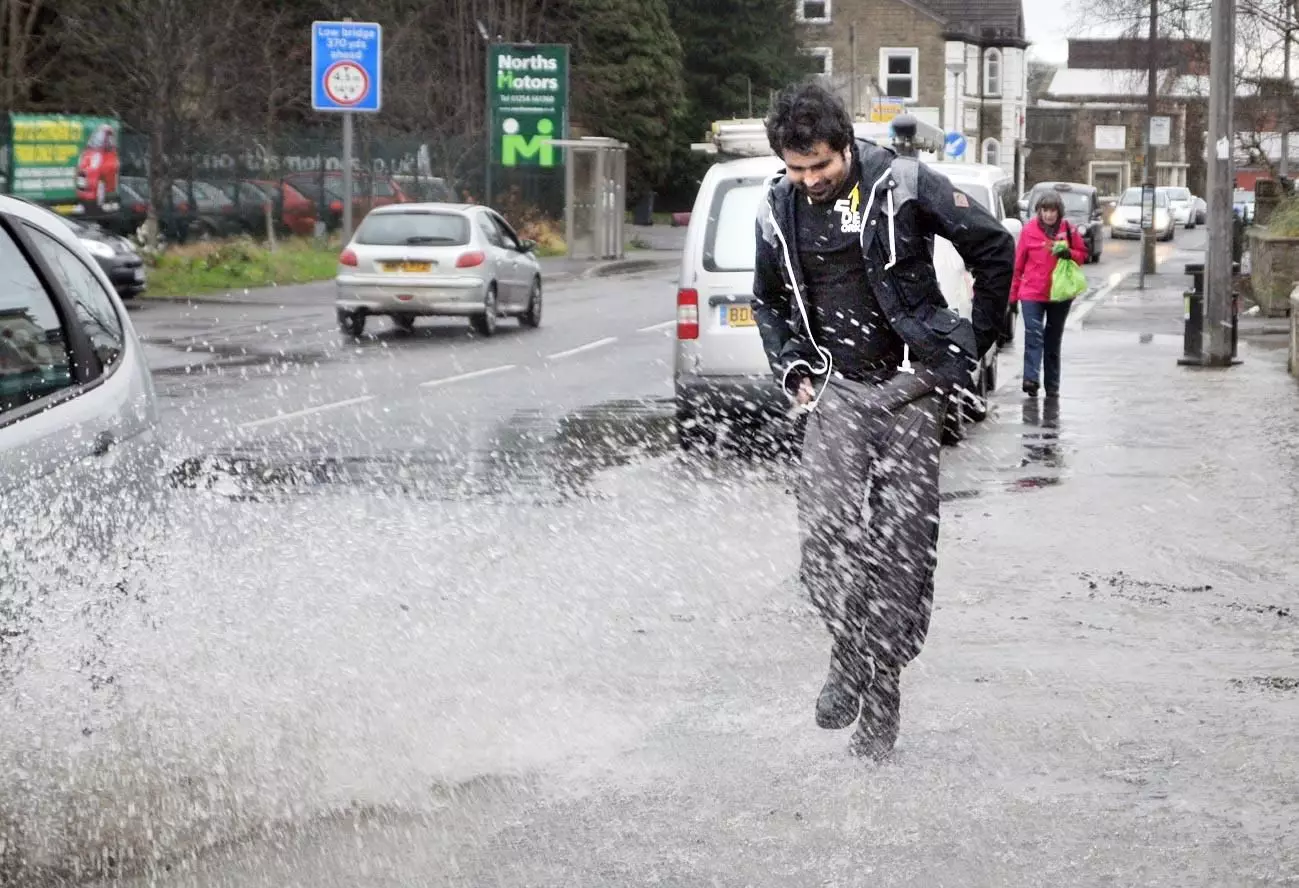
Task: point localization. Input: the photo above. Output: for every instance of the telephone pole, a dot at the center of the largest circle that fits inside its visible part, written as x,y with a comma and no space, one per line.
1152,94
1217,257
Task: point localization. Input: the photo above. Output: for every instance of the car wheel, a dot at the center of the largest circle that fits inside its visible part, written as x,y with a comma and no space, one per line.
404,323
351,323
532,317
485,324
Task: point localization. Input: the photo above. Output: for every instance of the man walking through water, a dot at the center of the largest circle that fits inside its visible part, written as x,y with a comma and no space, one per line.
857,332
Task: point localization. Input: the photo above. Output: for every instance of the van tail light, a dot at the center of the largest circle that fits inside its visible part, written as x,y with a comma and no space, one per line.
347,257
471,259
687,314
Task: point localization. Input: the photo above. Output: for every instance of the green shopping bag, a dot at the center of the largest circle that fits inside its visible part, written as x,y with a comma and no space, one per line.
1067,281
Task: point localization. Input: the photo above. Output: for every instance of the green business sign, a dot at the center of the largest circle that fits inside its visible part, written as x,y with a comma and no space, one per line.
65,160
527,92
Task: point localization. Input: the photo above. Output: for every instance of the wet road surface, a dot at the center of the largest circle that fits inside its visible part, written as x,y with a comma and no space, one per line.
442,611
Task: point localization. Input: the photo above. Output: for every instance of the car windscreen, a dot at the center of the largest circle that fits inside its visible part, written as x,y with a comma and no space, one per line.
730,242
1132,198
1075,202
1179,193
422,228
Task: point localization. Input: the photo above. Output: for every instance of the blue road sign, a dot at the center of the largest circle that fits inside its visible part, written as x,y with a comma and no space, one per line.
954,144
346,66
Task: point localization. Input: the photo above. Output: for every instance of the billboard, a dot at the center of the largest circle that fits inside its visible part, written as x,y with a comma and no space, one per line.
527,92
68,162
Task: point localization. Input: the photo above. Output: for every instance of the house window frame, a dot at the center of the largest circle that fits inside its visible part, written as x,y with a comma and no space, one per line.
993,60
800,12
913,54
995,144
827,54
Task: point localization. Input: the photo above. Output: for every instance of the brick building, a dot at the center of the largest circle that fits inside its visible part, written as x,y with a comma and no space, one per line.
958,64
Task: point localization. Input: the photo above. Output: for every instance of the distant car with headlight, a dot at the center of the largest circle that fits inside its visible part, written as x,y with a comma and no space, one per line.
1126,221
115,255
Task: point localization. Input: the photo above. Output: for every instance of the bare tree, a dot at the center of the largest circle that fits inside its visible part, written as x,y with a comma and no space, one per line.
162,85
27,47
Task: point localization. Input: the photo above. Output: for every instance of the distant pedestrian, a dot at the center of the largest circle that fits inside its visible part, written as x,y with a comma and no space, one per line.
1044,241
856,329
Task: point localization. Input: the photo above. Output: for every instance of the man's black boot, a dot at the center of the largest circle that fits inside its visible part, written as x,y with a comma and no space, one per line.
881,717
840,699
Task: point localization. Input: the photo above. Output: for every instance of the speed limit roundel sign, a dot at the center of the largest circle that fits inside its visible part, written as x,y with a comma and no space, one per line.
346,83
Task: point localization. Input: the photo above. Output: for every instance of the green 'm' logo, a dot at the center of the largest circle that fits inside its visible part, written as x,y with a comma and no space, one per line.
517,148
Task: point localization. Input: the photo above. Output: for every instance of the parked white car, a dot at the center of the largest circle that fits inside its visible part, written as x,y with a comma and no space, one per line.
721,371
1181,202
414,260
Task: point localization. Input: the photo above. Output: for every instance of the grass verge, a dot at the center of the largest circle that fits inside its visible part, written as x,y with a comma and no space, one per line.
221,266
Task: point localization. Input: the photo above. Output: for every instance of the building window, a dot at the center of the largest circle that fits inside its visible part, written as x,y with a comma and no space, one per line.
812,11
992,73
898,75
821,60
992,152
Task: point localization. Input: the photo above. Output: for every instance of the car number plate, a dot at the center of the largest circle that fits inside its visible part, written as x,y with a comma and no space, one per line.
737,316
139,274
407,267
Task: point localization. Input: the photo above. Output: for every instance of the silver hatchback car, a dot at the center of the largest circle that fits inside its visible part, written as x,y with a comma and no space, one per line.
79,454
428,259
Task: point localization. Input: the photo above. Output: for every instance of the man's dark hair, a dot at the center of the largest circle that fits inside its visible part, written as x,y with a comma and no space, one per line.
806,114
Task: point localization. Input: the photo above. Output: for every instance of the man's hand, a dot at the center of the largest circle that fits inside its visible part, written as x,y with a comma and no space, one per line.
806,392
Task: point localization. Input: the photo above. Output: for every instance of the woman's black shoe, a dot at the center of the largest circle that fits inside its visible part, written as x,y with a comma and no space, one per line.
1030,387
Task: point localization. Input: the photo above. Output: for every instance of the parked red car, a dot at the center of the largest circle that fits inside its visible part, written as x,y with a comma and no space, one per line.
98,168
297,212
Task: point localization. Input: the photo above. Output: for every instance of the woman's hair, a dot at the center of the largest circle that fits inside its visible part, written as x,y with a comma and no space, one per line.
806,114
1050,201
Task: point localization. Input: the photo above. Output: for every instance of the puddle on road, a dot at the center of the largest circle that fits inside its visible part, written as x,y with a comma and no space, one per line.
530,457
533,457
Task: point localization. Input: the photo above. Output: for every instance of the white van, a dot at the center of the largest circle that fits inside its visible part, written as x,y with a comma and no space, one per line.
721,371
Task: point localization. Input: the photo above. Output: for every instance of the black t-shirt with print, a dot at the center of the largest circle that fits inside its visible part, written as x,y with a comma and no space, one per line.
846,319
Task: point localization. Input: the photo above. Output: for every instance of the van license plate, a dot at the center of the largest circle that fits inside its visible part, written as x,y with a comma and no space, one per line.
737,316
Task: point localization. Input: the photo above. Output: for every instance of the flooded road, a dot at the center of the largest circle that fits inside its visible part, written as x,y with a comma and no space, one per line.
461,628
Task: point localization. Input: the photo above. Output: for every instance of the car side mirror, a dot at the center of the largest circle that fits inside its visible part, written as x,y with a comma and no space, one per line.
527,246
1014,226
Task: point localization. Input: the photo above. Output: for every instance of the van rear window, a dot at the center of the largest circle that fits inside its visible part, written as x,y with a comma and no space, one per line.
729,240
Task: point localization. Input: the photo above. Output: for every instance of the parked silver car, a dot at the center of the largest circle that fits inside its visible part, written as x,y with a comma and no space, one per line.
426,259
79,467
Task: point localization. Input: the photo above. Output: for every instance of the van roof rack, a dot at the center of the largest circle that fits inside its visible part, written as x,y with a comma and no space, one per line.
747,137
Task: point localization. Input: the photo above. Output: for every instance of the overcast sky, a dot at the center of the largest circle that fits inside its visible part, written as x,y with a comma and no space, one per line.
1047,24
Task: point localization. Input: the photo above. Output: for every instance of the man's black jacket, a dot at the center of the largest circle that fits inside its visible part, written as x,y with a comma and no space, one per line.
906,204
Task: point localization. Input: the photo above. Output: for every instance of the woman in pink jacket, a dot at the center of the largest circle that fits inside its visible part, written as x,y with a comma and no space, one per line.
1044,240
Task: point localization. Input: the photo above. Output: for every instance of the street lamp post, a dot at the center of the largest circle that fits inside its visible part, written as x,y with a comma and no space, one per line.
956,69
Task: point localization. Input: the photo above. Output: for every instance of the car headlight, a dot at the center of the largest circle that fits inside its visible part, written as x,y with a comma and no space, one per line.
97,248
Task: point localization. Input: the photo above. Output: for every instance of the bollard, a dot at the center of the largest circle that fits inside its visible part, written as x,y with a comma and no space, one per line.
1237,238
1193,317
1235,322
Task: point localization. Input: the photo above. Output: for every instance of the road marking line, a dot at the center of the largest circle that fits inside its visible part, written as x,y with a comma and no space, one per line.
319,408
473,374
599,343
653,327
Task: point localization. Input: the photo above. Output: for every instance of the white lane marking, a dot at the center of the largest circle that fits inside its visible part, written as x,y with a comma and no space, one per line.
599,343
319,408
473,374
652,327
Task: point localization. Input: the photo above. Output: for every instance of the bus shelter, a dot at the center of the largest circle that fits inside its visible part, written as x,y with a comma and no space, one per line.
595,196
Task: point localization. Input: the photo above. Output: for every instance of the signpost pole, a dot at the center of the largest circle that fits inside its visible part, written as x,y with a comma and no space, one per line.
489,129
347,172
347,177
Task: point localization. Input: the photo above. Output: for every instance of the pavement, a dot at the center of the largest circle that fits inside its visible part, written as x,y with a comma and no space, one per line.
440,611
